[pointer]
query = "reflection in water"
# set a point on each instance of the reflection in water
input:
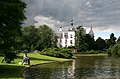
(71, 70)
(80, 68)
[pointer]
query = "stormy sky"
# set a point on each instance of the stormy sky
(102, 15)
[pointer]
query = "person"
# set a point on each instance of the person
(25, 59)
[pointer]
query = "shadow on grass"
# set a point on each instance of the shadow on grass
(10, 71)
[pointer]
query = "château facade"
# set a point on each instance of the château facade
(66, 37)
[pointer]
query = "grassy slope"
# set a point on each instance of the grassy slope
(14, 70)
(100, 54)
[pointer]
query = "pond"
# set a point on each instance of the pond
(84, 67)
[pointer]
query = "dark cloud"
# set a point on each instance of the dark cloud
(102, 14)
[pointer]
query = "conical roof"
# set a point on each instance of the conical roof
(91, 32)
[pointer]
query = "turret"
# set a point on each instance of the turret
(71, 22)
(60, 30)
(91, 32)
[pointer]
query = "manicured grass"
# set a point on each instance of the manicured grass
(100, 54)
(14, 70)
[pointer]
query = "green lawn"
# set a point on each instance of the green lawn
(14, 70)
(100, 54)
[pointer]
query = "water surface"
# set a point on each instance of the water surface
(84, 67)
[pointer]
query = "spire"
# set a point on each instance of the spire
(91, 32)
(60, 29)
(71, 22)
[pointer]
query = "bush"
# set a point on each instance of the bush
(55, 52)
(9, 56)
(114, 51)
(109, 52)
(119, 52)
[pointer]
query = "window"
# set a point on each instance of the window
(66, 35)
(60, 45)
(65, 45)
(71, 42)
(60, 40)
(65, 41)
(71, 36)
(61, 35)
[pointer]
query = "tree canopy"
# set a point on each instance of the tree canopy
(29, 38)
(11, 18)
(100, 43)
(47, 37)
(112, 41)
(79, 38)
(38, 38)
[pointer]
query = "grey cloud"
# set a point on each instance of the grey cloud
(99, 13)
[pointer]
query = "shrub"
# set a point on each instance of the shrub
(115, 50)
(55, 52)
(9, 56)
(119, 52)
(109, 52)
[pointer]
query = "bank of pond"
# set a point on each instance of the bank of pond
(15, 70)
(83, 67)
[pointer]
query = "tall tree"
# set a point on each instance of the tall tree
(79, 39)
(112, 41)
(100, 43)
(118, 40)
(89, 40)
(47, 37)
(29, 38)
(11, 18)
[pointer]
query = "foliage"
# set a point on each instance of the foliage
(47, 37)
(29, 38)
(118, 40)
(11, 18)
(119, 52)
(100, 43)
(112, 41)
(10, 57)
(115, 50)
(60, 53)
(109, 52)
(84, 42)
(38, 38)
(90, 42)
(79, 38)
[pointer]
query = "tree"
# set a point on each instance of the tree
(47, 37)
(115, 50)
(89, 40)
(112, 41)
(118, 41)
(100, 43)
(79, 39)
(29, 38)
(11, 18)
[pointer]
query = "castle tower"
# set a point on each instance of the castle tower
(60, 29)
(91, 32)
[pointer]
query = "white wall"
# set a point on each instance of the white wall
(68, 39)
